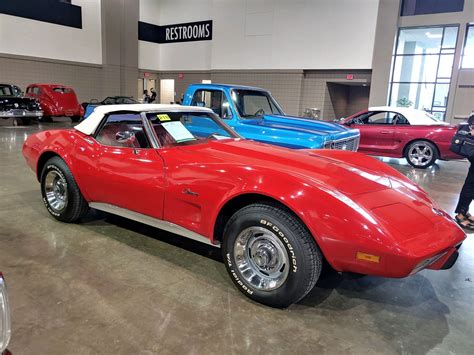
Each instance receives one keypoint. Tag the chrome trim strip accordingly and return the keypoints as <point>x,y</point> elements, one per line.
<point>150,131</point>
<point>154,222</point>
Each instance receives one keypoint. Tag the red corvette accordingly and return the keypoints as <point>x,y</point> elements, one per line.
<point>403,132</point>
<point>56,100</point>
<point>276,213</point>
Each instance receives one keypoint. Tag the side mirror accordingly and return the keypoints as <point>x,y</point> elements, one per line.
<point>125,137</point>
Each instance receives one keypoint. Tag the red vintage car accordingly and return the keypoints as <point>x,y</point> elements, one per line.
<point>56,100</point>
<point>276,213</point>
<point>403,132</point>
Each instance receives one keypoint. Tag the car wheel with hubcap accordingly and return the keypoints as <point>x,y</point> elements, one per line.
<point>61,195</point>
<point>270,255</point>
<point>421,154</point>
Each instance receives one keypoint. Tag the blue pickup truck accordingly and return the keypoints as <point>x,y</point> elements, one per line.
<point>256,115</point>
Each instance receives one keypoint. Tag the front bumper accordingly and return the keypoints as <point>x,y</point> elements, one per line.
<point>17,113</point>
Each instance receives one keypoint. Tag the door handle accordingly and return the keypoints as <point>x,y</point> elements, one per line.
<point>188,191</point>
<point>384,132</point>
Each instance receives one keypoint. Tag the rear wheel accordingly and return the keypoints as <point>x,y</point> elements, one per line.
<point>61,195</point>
<point>270,255</point>
<point>421,154</point>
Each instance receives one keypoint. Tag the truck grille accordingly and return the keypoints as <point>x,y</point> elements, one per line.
<point>344,144</point>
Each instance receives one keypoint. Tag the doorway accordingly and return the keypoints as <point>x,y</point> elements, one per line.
<point>140,89</point>
<point>346,99</point>
<point>167,91</point>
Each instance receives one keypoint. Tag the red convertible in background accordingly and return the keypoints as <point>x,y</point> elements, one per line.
<point>277,213</point>
<point>403,132</point>
<point>56,100</point>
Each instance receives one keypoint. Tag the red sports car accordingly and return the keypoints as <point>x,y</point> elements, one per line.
<point>276,213</point>
<point>56,100</point>
<point>403,132</point>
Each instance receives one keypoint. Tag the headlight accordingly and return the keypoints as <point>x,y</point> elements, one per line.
<point>5,326</point>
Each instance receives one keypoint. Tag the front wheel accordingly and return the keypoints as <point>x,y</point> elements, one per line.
<point>61,195</point>
<point>270,255</point>
<point>421,154</point>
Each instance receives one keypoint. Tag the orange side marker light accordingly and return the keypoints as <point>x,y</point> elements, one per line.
<point>368,257</point>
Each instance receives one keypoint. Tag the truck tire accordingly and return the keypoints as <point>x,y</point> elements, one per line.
<point>61,195</point>
<point>270,255</point>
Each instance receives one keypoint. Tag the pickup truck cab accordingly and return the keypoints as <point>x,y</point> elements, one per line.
<point>256,115</point>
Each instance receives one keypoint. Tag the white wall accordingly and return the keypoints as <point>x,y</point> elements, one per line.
<point>22,36</point>
<point>265,34</point>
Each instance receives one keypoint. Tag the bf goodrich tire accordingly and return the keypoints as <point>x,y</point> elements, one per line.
<point>61,195</point>
<point>270,255</point>
<point>421,154</point>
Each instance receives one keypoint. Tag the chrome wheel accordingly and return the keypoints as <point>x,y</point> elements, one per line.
<point>420,154</point>
<point>261,258</point>
<point>55,187</point>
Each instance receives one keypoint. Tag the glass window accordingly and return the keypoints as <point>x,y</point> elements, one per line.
<point>379,118</point>
<point>468,52</point>
<point>422,68</point>
<point>445,66</point>
<point>450,37</point>
<point>416,68</point>
<point>6,91</point>
<point>123,130</point>
<point>62,90</point>
<point>419,96</point>
<point>441,95</point>
<point>177,128</point>
<point>253,103</point>
<point>423,7</point>
<point>420,40</point>
<point>216,100</point>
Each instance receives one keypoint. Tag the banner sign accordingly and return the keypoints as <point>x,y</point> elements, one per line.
<point>58,12</point>
<point>182,32</point>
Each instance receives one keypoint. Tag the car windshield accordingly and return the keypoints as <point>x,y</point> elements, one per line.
<point>185,128</point>
<point>253,103</point>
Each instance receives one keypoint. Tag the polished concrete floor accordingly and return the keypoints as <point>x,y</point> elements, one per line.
<point>110,286</point>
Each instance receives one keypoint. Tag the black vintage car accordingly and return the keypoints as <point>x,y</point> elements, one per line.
<point>14,105</point>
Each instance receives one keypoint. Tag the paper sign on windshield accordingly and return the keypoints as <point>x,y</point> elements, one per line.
<point>178,131</point>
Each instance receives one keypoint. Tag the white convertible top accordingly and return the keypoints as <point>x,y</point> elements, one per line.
<point>414,116</point>
<point>89,125</point>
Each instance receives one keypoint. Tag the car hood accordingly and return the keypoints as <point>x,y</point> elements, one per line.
<point>346,172</point>
<point>301,125</point>
<point>15,99</point>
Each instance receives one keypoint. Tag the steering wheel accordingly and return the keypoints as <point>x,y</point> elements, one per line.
<point>260,112</point>
<point>357,120</point>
